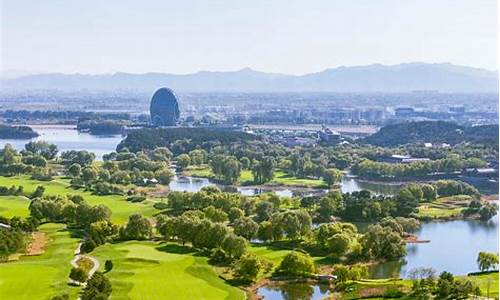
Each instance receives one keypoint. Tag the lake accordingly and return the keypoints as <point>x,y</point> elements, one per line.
<point>453,247</point>
<point>68,138</point>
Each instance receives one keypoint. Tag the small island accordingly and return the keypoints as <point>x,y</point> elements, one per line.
<point>17,132</point>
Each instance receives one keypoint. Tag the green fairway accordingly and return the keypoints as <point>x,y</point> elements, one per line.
<point>11,206</point>
<point>43,276</point>
<point>149,270</point>
<point>246,177</point>
<point>119,206</point>
<point>487,283</point>
<point>444,207</point>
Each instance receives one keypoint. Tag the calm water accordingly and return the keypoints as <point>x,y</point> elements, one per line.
<point>454,247</point>
<point>70,139</point>
<point>294,291</point>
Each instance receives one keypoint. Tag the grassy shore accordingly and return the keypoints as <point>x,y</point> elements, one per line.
<point>246,178</point>
<point>444,207</point>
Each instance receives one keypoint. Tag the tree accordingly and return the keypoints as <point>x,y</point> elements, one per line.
<point>264,210</point>
<point>164,176</point>
<point>263,171</point>
<point>98,287</point>
<point>38,192</point>
<point>429,192</point>
<point>408,199</point>
<point>89,174</point>
<point>215,214</point>
<point>234,246</point>
<point>183,161</point>
<point>297,264</point>
<point>198,156</point>
<point>235,213</point>
<point>265,231</point>
<point>487,211</point>
<point>75,170</point>
<point>382,242</point>
<point>246,227</point>
<point>487,261</point>
<point>78,274</point>
<point>248,267</point>
<point>332,176</point>
<point>108,265</point>
<point>330,205</point>
<point>88,246</point>
<point>100,232</point>
<point>137,228</point>
<point>47,150</point>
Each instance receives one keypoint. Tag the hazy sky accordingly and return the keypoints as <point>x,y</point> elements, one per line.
<point>285,36</point>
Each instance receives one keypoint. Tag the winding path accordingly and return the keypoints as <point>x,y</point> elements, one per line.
<point>77,256</point>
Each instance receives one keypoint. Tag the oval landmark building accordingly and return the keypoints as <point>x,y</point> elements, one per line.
<point>164,109</point>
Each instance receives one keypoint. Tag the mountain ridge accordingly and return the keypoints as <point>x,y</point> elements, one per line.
<point>405,77</point>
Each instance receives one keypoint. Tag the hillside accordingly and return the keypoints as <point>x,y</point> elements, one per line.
<point>432,132</point>
<point>407,77</point>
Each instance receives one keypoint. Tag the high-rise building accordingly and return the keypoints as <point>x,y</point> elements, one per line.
<point>164,109</point>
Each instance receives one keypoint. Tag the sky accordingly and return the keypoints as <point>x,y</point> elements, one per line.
<point>280,36</point>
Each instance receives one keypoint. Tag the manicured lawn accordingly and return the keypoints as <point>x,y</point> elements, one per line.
<point>119,206</point>
<point>43,276</point>
<point>485,280</point>
<point>268,252</point>
<point>153,270</point>
<point>444,207</point>
<point>246,177</point>
<point>282,178</point>
<point>11,206</point>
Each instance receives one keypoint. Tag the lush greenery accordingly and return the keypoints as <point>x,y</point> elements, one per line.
<point>433,132</point>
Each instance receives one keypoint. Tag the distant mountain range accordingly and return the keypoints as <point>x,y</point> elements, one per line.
<point>408,77</point>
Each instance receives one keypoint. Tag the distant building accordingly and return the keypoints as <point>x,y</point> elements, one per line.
<point>400,159</point>
<point>164,108</point>
<point>404,111</point>
<point>329,136</point>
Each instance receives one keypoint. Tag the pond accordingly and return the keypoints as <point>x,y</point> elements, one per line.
<point>294,291</point>
<point>68,138</point>
<point>453,247</point>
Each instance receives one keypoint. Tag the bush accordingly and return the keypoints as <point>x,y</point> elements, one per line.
<point>160,205</point>
<point>297,264</point>
<point>78,274</point>
<point>98,287</point>
<point>393,292</point>
<point>108,265</point>
<point>88,246</point>
<point>136,199</point>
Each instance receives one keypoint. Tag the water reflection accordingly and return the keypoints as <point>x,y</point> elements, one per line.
<point>454,247</point>
<point>294,291</point>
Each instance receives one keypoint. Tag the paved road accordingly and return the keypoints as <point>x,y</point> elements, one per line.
<point>78,256</point>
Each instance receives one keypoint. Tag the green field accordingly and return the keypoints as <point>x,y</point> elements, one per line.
<point>43,276</point>
<point>119,206</point>
<point>11,206</point>
<point>153,270</point>
<point>246,177</point>
<point>485,280</point>
<point>444,207</point>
